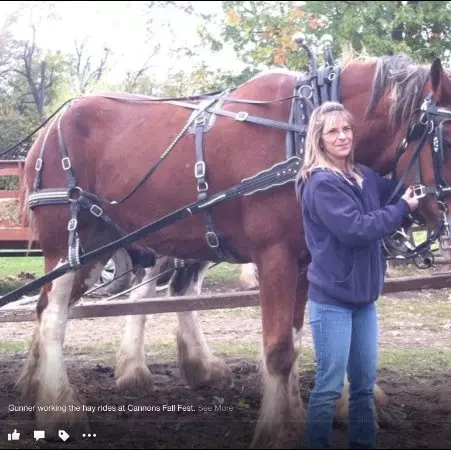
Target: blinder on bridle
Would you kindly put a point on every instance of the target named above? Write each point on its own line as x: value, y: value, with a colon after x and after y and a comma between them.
x: 426, y: 127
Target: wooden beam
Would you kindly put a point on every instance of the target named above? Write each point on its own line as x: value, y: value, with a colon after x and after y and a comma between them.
x: 402, y: 284
x: 155, y: 305
x: 160, y: 305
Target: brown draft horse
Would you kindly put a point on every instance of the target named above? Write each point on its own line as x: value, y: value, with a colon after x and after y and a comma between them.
x: 112, y: 144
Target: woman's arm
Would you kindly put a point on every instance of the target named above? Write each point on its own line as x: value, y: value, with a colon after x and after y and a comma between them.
x: 339, y: 213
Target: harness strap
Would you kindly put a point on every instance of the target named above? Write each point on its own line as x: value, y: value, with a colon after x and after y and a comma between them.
x: 72, y: 226
x: 244, y: 116
x: 202, y: 186
x: 81, y: 199
x: 310, y: 90
x: 277, y: 175
x: 411, y: 164
x: 71, y: 194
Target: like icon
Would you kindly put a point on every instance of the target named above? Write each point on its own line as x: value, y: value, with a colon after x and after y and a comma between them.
x: 14, y: 436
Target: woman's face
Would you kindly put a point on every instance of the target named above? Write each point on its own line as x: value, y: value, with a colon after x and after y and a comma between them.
x: 337, y: 138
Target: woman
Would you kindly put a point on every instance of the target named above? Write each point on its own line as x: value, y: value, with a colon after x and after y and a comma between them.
x: 345, y: 218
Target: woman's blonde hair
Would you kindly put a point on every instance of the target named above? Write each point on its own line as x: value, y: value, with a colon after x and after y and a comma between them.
x: 315, y: 156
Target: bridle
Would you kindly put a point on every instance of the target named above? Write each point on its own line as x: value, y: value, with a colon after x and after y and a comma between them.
x: 429, y: 126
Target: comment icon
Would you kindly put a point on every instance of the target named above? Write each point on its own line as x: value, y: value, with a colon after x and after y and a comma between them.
x: 39, y: 434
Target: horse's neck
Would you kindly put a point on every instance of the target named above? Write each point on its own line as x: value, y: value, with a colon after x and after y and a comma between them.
x: 376, y: 144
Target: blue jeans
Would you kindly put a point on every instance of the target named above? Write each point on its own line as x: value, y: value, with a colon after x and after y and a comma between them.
x: 345, y: 340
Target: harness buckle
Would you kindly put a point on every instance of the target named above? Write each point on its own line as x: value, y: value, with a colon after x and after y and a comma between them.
x: 72, y: 225
x: 212, y: 239
x: 201, y: 119
x: 96, y: 210
x: 66, y: 163
x: 310, y: 93
x: 419, y: 191
x: 199, y: 169
x: 425, y: 105
x: 202, y: 187
x: 241, y: 116
x: 38, y: 165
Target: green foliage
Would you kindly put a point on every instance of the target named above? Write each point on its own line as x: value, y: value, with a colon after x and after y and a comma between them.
x: 261, y: 32
x: 418, y: 28
x: 14, y: 126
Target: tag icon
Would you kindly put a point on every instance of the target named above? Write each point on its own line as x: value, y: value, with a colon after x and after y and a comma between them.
x: 63, y: 435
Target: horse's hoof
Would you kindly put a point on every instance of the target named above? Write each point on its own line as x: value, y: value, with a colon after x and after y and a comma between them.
x: 135, y: 380
x: 65, y: 415
x: 213, y: 372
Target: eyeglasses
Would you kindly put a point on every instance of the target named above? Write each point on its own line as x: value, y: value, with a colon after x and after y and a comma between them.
x: 335, y: 132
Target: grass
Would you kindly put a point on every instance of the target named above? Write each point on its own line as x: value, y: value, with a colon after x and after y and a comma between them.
x: 8, y: 346
x: 14, y: 266
x: 223, y: 273
x: 416, y: 312
x: 416, y: 360
x: 412, y: 361
x: 34, y: 265
x: 19, y: 270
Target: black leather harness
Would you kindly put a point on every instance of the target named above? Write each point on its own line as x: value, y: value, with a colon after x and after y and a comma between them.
x: 310, y: 91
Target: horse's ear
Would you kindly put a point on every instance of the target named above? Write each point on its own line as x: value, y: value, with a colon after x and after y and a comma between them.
x: 440, y: 83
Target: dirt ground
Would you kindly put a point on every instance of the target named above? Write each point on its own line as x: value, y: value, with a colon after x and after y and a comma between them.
x: 418, y: 414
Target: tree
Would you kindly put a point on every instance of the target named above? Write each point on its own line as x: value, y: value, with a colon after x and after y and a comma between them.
x: 85, y: 70
x: 261, y: 32
x: 29, y: 80
x: 417, y: 28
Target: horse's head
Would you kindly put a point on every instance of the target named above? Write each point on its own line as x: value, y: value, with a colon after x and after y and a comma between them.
x: 404, y: 123
x: 429, y: 135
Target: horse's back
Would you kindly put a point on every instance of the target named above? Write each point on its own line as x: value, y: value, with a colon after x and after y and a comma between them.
x: 113, y: 141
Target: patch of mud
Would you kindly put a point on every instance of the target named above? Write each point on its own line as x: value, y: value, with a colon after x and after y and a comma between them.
x: 418, y: 414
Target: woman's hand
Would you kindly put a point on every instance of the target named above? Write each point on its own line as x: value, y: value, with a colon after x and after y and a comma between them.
x: 411, y: 199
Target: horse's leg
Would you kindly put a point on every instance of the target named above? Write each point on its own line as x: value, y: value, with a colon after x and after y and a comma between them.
x: 299, y: 309
x: 280, y: 424
x: 342, y: 404
x: 132, y: 373
x: 248, y: 276
x: 43, y: 380
x: 198, y: 366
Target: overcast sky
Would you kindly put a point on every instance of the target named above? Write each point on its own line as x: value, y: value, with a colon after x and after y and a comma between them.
x: 120, y: 25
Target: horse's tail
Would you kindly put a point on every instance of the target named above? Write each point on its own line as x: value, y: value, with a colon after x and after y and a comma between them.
x: 26, y: 216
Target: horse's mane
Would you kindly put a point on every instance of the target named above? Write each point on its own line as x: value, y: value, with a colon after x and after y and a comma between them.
x: 397, y: 76
x: 404, y: 80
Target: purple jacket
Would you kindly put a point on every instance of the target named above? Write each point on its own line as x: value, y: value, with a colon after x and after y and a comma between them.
x: 343, y: 226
